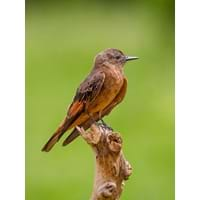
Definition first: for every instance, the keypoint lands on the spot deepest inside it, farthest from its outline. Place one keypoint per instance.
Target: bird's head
(112, 57)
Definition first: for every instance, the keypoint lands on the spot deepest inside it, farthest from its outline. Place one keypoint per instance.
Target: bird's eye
(118, 57)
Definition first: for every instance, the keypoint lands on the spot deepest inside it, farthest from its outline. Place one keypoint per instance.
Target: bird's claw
(103, 125)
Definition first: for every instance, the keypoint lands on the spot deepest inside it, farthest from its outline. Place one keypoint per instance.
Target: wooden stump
(111, 167)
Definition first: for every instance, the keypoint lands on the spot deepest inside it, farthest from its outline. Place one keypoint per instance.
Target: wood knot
(128, 170)
(107, 190)
(114, 142)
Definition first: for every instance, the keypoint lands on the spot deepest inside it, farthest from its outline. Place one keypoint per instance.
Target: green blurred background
(62, 39)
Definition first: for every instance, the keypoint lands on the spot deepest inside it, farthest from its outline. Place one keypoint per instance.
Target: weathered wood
(111, 167)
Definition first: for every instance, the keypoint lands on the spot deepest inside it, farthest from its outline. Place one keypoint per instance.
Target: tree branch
(111, 167)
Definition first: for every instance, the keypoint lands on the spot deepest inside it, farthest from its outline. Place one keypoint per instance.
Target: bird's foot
(104, 125)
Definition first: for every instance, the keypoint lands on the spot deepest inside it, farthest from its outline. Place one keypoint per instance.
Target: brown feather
(75, 108)
(74, 134)
(65, 125)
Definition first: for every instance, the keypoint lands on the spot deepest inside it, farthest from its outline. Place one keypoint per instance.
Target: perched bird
(97, 95)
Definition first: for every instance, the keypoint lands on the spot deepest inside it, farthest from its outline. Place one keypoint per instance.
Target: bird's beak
(131, 58)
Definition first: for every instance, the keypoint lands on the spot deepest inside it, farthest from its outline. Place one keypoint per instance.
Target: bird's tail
(75, 133)
(58, 134)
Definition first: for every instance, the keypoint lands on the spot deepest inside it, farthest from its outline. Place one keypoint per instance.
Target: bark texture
(112, 169)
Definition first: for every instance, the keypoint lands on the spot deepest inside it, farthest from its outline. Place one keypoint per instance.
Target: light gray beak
(131, 58)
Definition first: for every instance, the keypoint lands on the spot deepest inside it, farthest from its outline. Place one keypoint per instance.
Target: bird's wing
(86, 93)
(120, 96)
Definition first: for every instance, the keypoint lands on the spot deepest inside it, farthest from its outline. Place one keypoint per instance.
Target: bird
(103, 89)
